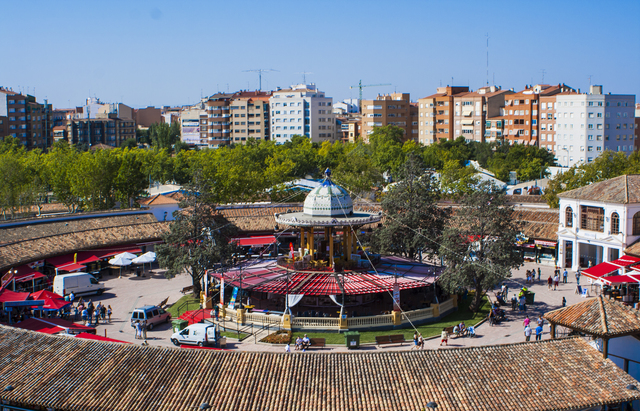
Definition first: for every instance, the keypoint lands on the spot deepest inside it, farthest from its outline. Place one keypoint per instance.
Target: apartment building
(393, 109)
(249, 112)
(145, 117)
(111, 131)
(494, 129)
(472, 109)
(24, 118)
(196, 127)
(302, 110)
(522, 111)
(349, 128)
(589, 123)
(547, 122)
(637, 128)
(436, 115)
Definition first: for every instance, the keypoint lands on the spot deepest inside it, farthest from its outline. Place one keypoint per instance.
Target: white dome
(328, 200)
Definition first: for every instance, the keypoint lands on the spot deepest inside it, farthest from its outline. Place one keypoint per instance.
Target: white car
(200, 334)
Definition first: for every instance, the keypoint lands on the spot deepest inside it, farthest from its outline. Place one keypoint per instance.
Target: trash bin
(352, 339)
(179, 325)
(529, 297)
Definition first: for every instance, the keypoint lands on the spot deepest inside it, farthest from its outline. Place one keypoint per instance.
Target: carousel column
(311, 242)
(309, 239)
(302, 239)
(347, 243)
(330, 246)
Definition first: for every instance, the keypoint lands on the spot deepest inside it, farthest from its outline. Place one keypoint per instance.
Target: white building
(302, 110)
(191, 119)
(588, 124)
(348, 106)
(599, 221)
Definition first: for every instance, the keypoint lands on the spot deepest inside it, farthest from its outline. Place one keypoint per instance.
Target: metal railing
(307, 322)
(374, 320)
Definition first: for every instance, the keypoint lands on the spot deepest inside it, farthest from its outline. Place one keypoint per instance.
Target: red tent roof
(42, 294)
(600, 270)
(8, 295)
(626, 261)
(256, 240)
(71, 267)
(97, 337)
(620, 279)
(55, 303)
(52, 325)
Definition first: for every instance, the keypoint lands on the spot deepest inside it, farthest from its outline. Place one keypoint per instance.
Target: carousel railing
(262, 318)
(309, 322)
(446, 306)
(420, 314)
(374, 320)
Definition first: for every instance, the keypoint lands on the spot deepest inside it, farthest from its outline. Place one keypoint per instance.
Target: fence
(315, 323)
(371, 321)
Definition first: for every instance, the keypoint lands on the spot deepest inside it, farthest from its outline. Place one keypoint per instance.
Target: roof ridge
(603, 315)
(626, 189)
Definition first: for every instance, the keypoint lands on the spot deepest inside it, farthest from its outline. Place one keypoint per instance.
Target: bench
(390, 339)
(317, 342)
(164, 302)
(187, 289)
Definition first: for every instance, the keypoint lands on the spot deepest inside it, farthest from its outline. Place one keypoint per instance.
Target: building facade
(598, 222)
(22, 117)
(302, 110)
(472, 109)
(390, 110)
(587, 124)
(436, 115)
(109, 131)
(145, 117)
(250, 116)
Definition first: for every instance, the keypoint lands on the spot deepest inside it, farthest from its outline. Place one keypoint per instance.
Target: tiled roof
(541, 224)
(633, 249)
(623, 189)
(73, 374)
(598, 316)
(159, 199)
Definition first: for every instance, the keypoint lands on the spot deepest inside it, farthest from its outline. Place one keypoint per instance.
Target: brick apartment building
(393, 109)
(250, 116)
(472, 109)
(24, 118)
(349, 127)
(522, 113)
(436, 115)
(637, 128)
(145, 117)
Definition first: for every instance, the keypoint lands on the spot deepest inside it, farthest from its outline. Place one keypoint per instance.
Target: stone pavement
(129, 292)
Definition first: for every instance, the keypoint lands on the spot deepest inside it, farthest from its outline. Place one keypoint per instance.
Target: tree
(477, 244)
(130, 181)
(356, 171)
(94, 178)
(457, 181)
(129, 143)
(414, 221)
(386, 148)
(198, 238)
(60, 164)
(163, 135)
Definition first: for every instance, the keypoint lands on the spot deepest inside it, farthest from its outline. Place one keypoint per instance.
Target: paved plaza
(126, 293)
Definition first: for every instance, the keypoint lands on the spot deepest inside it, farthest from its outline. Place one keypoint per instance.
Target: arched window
(636, 223)
(615, 223)
(568, 217)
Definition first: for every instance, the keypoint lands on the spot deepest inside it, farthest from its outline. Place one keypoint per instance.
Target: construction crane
(360, 86)
(259, 71)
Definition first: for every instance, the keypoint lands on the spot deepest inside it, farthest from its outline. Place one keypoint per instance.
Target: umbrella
(126, 255)
(120, 261)
(54, 303)
(42, 294)
(144, 258)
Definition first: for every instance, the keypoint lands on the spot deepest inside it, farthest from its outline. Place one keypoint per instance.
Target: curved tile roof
(598, 316)
(65, 373)
(623, 189)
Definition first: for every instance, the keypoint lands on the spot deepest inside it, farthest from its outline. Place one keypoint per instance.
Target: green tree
(130, 181)
(129, 143)
(198, 238)
(477, 244)
(14, 183)
(414, 221)
(356, 172)
(164, 136)
(531, 169)
(61, 164)
(37, 179)
(457, 181)
(94, 179)
(386, 148)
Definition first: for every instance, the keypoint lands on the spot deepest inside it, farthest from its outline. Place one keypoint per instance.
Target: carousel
(325, 272)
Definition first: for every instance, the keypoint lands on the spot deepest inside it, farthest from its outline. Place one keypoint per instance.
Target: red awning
(52, 326)
(626, 261)
(599, 270)
(42, 294)
(9, 296)
(55, 303)
(96, 337)
(21, 278)
(71, 267)
(619, 279)
(255, 241)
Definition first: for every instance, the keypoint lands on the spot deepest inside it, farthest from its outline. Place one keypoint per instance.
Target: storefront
(546, 252)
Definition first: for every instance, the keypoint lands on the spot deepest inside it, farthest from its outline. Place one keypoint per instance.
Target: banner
(222, 290)
(396, 297)
(232, 301)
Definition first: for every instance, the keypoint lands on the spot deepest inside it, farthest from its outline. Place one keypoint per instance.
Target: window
(568, 217)
(636, 223)
(615, 223)
(592, 218)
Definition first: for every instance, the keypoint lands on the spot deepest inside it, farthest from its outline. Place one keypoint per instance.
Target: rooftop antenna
(487, 59)
(590, 75)
(260, 71)
(543, 73)
(304, 76)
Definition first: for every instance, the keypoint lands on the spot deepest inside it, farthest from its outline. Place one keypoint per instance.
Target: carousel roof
(268, 276)
(328, 200)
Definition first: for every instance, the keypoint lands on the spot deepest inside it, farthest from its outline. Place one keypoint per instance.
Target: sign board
(585, 292)
(232, 301)
(222, 290)
(27, 303)
(396, 297)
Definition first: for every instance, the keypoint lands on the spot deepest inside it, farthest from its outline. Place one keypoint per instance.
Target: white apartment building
(588, 124)
(302, 110)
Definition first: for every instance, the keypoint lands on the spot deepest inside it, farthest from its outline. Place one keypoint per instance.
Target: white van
(79, 283)
(200, 334)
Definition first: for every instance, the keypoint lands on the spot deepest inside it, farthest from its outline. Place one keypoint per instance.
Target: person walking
(287, 348)
(216, 311)
(72, 296)
(420, 341)
(444, 337)
(539, 333)
(138, 330)
(539, 273)
(549, 282)
(564, 302)
(527, 333)
(565, 274)
(514, 302)
(109, 312)
(144, 329)
(578, 276)
(556, 281)
(415, 340)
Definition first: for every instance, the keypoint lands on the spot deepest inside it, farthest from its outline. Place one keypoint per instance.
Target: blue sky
(172, 52)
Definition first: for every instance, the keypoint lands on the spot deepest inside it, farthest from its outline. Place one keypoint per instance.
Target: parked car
(78, 283)
(151, 314)
(201, 334)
